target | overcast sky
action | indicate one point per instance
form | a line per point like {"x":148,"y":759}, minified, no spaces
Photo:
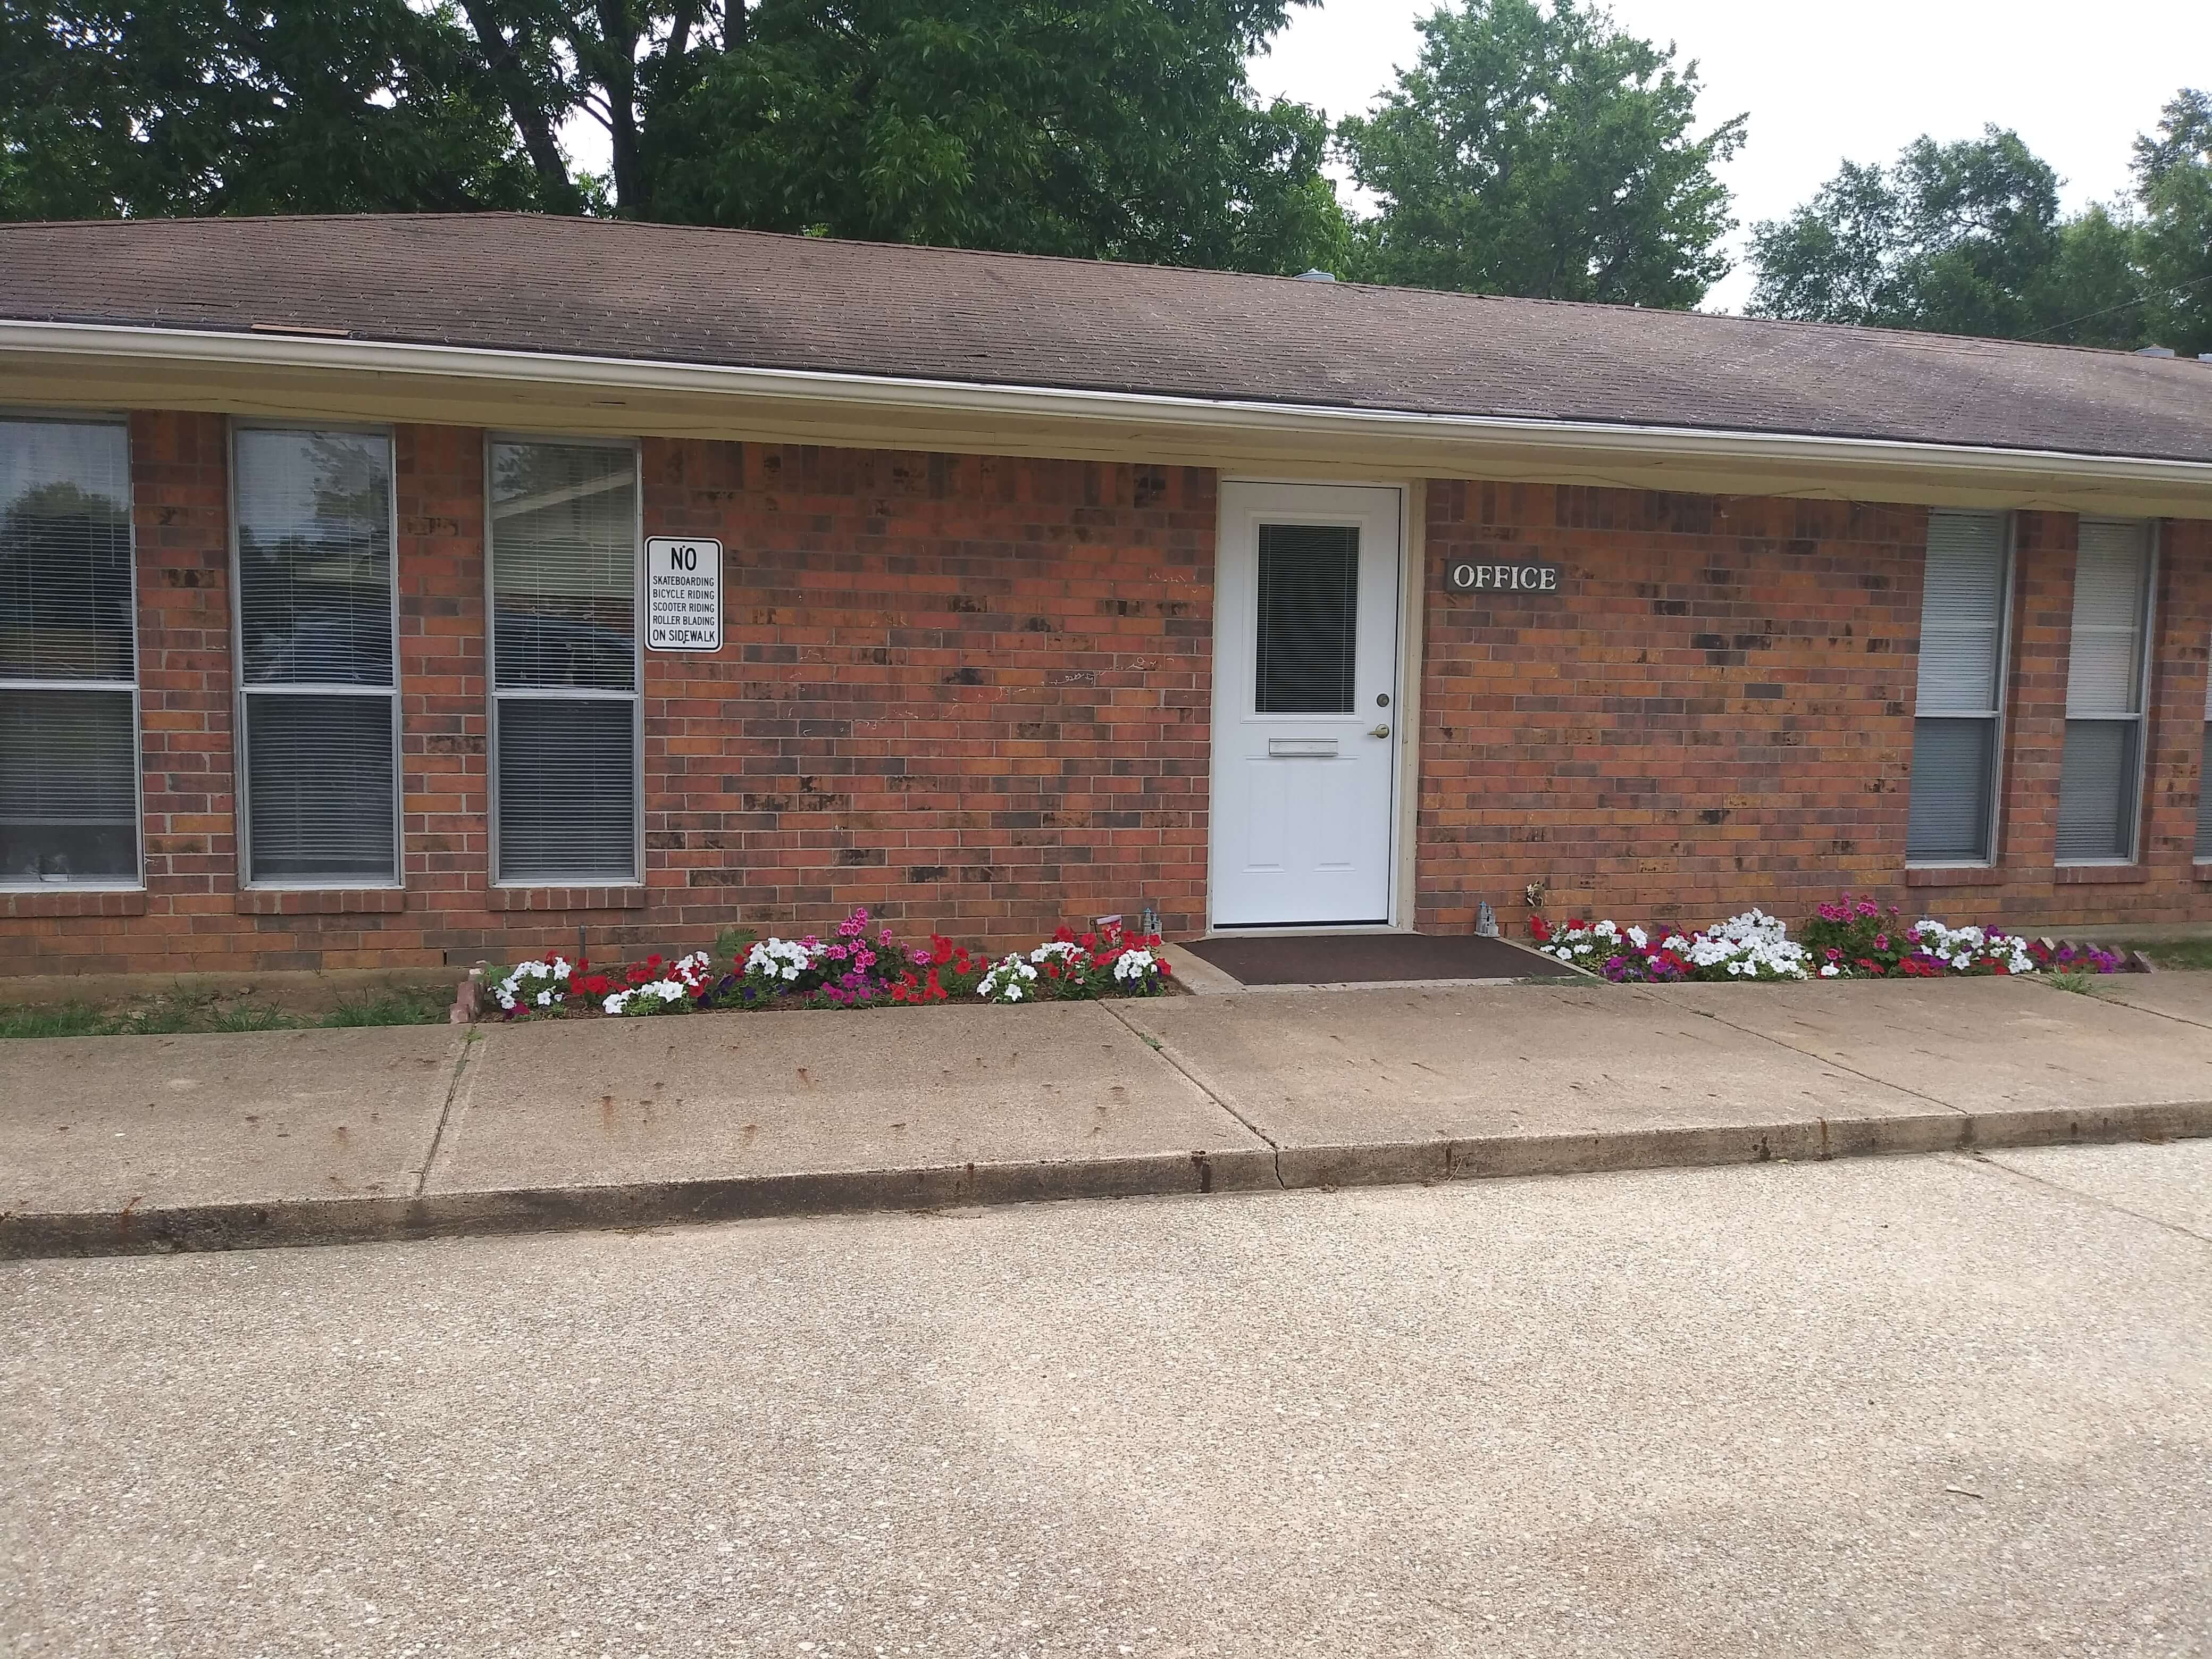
{"x":1822,"y":80}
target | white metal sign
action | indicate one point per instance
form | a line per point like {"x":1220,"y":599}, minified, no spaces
{"x":682,"y":593}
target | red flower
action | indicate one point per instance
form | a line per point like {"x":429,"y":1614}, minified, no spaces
{"x":1539,"y":930}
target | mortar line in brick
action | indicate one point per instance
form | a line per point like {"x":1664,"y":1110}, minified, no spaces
{"x":468,"y":1045}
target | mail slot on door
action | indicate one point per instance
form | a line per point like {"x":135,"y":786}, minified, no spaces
{"x":1302,"y":748}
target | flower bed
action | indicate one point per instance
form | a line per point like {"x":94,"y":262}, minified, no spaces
{"x":1853,"y":938}
{"x":858,"y":969}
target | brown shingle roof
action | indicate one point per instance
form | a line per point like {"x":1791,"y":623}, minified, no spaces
{"x":675,"y":294}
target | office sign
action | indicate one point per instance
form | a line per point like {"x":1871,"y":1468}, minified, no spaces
{"x":1467,"y":577}
{"x":682,"y":593}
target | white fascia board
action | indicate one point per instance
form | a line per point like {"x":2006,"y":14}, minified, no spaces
{"x":1568,"y":440}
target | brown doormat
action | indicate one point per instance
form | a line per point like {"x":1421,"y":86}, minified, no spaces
{"x":1364,"y":959}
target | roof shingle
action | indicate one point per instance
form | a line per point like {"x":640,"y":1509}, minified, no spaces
{"x":677,"y":294}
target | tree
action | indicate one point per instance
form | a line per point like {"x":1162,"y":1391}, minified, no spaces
{"x":1961,"y":237}
{"x":2173,"y":179}
{"x":1542,"y":153}
{"x":197,"y":106}
{"x":1122,"y":129}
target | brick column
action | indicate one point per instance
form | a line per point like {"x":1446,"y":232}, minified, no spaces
{"x":438,"y":477}
{"x":2035,"y":723}
{"x":2175,"y":737}
{"x":181,"y":514}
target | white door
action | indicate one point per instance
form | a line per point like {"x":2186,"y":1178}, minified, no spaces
{"x":1305,"y":704}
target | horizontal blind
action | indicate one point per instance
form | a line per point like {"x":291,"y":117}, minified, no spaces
{"x":66,"y":596}
{"x":69,"y":786}
{"x":1962,"y":614}
{"x":564,"y":568}
{"x":315,"y":558}
{"x":2111,"y":588}
{"x":2101,"y":777}
{"x":2097,"y":790}
{"x":1309,"y":621}
{"x":319,"y":772}
{"x":564,"y":565}
{"x":316,"y":609}
{"x":1952,"y":814}
{"x":1954,"y":790}
{"x":567,"y":774}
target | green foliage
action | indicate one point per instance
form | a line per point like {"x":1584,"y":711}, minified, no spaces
{"x":1122,"y":129}
{"x":1117,"y":129}
{"x":182,"y":1010}
{"x":1968,"y":238}
{"x":199,"y":106}
{"x":1542,"y":153}
{"x":2173,"y":179}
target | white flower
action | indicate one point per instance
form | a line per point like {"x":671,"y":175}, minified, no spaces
{"x":1003,"y":981}
{"x":1639,"y":938}
{"x":1064,"y":948}
{"x":1131,"y":965}
{"x":1829,"y":970}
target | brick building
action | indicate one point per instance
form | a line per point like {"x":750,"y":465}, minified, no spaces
{"x":358,"y":600}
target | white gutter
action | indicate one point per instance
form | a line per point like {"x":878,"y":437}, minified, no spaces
{"x":1567,"y":438}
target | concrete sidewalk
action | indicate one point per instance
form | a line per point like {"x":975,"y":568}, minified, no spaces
{"x":126,"y":1143}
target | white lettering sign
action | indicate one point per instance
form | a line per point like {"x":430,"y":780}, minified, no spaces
{"x":682,"y":593}
{"x":1504,"y":578}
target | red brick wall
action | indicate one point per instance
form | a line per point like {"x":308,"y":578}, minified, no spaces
{"x":968,"y":693}
{"x":965,"y":691}
{"x":1716,"y":713}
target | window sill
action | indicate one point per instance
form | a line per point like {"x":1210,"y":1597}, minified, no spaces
{"x":73,"y":901}
{"x":320,"y":901}
{"x":628,"y":897}
{"x":2098,"y":875}
{"x":1953,"y":875}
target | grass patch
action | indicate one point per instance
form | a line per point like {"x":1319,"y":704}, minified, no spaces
{"x":2189,"y":955}
{"x":181,"y":1011}
{"x":2079,"y":984}
{"x":400,"y":1006}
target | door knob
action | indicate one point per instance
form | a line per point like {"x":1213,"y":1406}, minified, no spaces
{"x":1379,"y":731}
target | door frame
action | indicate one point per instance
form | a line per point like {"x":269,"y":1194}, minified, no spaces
{"x":1405,"y":701}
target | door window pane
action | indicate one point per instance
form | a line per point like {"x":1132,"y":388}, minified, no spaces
{"x":1308,"y":619}
{"x":69,"y":727}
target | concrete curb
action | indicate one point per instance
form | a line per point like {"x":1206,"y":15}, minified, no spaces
{"x":134,"y":1231}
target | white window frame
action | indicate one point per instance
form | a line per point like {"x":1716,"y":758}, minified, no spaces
{"x":1996,"y":716}
{"x":242,"y":810}
{"x":635,"y":695}
{"x":2151,"y":529}
{"x":98,"y":883}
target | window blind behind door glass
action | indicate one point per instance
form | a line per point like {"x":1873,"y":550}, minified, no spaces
{"x":314,"y":557}
{"x":1961,"y":617}
{"x":1309,"y":623}
{"x":564,"y":565}
{"x":65,"y":582}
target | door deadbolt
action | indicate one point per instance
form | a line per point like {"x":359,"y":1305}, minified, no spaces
{"x":1382,"y":701}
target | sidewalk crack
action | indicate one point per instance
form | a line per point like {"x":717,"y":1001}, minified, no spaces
{"x":1158,"y":1045}
{"x":1989,"y":1162}
{"x":469,"y":1046}
{"x":1807,"y":1053}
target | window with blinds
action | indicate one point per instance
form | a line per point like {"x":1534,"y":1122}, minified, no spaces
{"x":69,"y":656}
{"x":318,"y":691}
{"x":1959,"y":716}
{"x":2100,"y":778}
{"x":564,"y":661}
